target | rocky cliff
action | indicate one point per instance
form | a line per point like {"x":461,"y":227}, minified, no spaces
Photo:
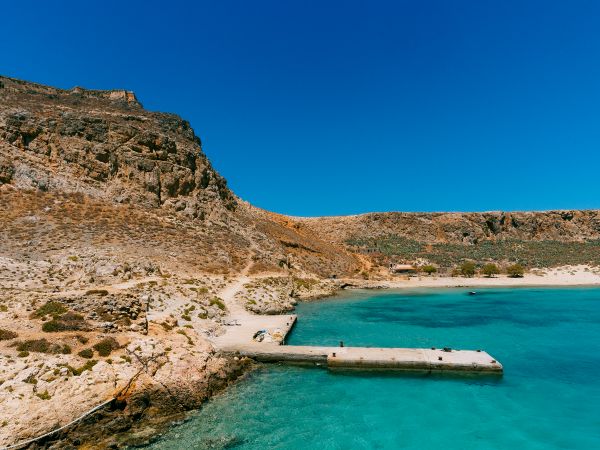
{"x":105,"y":145}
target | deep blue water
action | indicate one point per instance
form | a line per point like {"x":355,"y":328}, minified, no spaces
{"x":549,"y":397}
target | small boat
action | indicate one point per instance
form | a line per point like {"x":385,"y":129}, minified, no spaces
{"x":472,"y":293}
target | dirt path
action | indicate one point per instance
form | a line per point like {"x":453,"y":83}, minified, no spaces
{"x":227,"y":294}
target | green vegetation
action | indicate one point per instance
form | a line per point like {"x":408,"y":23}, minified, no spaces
{"x":82,"y":339}
{"x":429,"y":269}
{"x":67,"y":322}
{"x":87,"y":366}
{"x":43,"y":346}
{"x":515,"y":271}
{"x":166,"y":326}
{"x":44,"y":395}
{"x":86,"y":353}
{"x":53,"y":309}
{"x":106,"y":346}
{"x":6,"y":335}
{"x":527,"y":253}
{"x":189,"y":339}
{"x":490,"y":269}
{"x":467,"y":269}
{"x":304,"y":283}
{"x":218,"y":302}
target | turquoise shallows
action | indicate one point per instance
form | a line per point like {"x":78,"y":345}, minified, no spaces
{"x":549,"y":397}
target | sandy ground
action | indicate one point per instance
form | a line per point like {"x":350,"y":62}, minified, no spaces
{"x":564,"y":276}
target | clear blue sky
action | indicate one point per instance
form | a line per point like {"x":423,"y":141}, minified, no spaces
{"x":322,"y":108}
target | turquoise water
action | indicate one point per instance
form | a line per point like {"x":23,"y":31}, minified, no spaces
{"x":549,"y":398}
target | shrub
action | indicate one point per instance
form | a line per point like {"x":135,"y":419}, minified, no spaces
{"x":490,"y":270}
{"x":429,"y":269}
{"x":467,"y":269}
{"x":86,"y":353}
{"x":189,"y":339}
{"x":44,"y":395}
{"x":515,"y":271}
{"x":106,"y":346}
{"x":51,"y":308}
{"x":23,"y":354}
{"x":67,"y":322}
{"x":87,"y":366}
{"x":43,"y":346}
{"x":82,"y":339}
{"x":6,"y":335}
{"x":218,"y":302}
{"x":166,"y":326}
{"x":52,"y":326}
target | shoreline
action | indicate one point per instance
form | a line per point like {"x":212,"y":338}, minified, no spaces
{"x":559,"y":277}
{"x":148,"y":429}
{"x":562,"y":279}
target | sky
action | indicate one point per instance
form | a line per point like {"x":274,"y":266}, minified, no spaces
{"x":343,"y":107}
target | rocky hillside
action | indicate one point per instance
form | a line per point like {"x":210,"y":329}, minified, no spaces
{"x":539,"y":239}
{"x":103,"y":148}
{"x":462,"y":228}
{"x":104,"y":144}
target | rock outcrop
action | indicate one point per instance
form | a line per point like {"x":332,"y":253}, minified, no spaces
{"x":461,"y":228}
{"x":104,"y":144}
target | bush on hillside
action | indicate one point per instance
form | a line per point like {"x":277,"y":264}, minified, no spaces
{"x":467,"y":269}
{"x":490,"y":269}
{"x":515,"y":271}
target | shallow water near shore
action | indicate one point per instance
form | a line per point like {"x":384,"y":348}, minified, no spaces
{"x":547,"y":339}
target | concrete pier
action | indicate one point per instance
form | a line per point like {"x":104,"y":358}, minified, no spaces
{"x":240,"y":339}
{"x":408,"y":359}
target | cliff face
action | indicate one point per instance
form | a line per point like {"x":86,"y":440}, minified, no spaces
{"x":462,"y":228}
{"x":104,"y":144}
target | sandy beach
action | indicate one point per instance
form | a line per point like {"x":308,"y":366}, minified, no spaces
{"x":563,"y":276}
